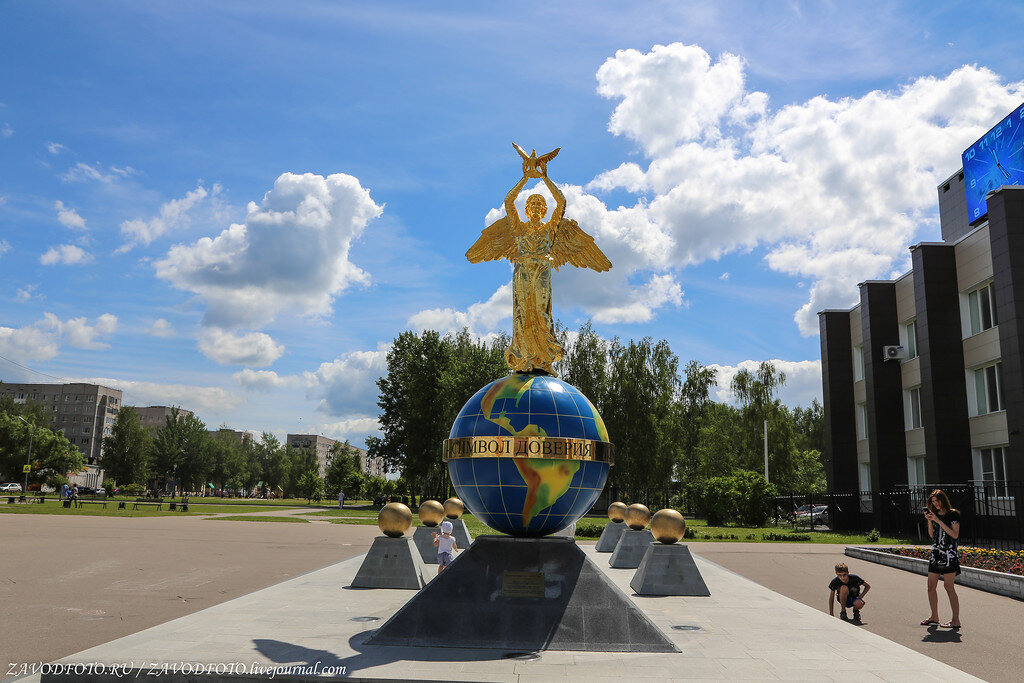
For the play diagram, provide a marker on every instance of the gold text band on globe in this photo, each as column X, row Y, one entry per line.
column 557, row 448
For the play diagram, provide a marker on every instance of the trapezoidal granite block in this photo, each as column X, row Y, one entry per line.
column 392, row 563
column 523, row 594
column 630, row 549
column 610, row 536
column 668, row 570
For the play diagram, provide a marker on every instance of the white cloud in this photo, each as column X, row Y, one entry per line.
column 173, row 215
column 227, row 348
column 79, row 333
column 55, row 147
column 189, row 397
column 82, row 172
column 354, row 430
column 347, row 385
column 723, row 276
column 6, row 131
column 266, row 380
column 42, row 339
column 803, row 380
column 26, row 293
column 68, row 254
column 28, row 343
column 479, row 318
column 161, row 328
column 290, row 254
column 68, row 217
column 5, row 247
column 834, row 191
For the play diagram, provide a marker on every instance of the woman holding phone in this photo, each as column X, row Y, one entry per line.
column 944, row 529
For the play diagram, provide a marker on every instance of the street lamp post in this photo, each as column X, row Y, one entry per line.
column 28, row 461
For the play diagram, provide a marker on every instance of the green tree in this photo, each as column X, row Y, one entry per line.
column 344, row 463
column 181, row 452
column 692, row 415
column 758, row 403
column 585, row 365
column 229, row 467
column 809, row 427
column 52, row 454
column 809, row 476
column 414, row 417
column 310, row 486
column 126, row 450
column 642, row 386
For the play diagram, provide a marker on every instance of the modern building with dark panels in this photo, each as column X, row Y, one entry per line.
column 945, row 407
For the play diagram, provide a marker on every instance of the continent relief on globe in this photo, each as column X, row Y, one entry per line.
column 546, row 482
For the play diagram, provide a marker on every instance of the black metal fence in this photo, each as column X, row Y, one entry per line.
column 991, row 513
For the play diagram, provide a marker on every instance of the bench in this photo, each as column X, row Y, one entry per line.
column 80, row 503
column 158, row 502
column 181, row 505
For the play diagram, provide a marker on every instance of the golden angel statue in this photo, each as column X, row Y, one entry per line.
column 535, row 247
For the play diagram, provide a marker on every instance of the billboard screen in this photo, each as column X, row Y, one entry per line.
column 996, row 159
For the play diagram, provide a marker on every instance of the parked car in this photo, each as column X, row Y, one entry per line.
column 10, row 488
column 817, row 515
column 90, row 491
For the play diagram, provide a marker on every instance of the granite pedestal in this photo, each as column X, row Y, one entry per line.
column 610, row 536
column 392, row 563
column 630, row 549
column 523, row 594
column 423, row 537
column 668, row 570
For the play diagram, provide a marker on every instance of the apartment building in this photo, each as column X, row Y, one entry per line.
column 153, row 418
column 321, row 445
column 84, row 412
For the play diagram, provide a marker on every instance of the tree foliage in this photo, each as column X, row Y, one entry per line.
column 126, row 450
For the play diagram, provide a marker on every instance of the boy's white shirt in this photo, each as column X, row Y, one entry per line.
column 445, row 542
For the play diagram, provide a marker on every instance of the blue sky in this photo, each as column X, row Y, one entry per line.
column 236, row 206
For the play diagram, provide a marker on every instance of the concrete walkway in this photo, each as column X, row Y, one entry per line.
column 743, row 631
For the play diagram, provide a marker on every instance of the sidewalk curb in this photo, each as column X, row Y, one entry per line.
column 1010, row 585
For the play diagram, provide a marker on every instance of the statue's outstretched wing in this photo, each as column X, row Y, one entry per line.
column 575, row 247
column 495, row 242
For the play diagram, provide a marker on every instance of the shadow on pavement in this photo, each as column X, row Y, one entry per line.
column 369, row 656
column 935, row 635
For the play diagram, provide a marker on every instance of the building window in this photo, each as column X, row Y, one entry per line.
column 909, row 338
column 858, row 363
column 981, row 308
column 990, row 470
column 864, row 476
column 988, row 389
column 862, row 421
column 915, row 471
column 912, row 408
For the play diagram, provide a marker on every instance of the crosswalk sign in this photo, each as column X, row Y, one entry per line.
column 26, row 469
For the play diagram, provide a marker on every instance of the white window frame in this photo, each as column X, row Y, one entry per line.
column 912, row 408
column 979, row 393
column 991, row 493
column 916, row 471
column 864, row 476
column 858, row 363
column 978, row 308
column 861, row 418
column 908, row 338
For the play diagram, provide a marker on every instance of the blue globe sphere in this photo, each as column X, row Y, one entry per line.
column 528, row 455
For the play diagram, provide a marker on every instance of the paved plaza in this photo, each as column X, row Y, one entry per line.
column 745, row 630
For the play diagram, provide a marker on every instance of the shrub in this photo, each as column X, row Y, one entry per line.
column 744, row 497
column 109, row 487
column 714, row 498
column 873, row 536
column 589, row 530
column 133, row 489
column 785, row 537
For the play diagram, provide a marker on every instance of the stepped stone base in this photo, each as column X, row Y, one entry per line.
column 630, row 549
column 523, row 594
column 610, row 536
column 392, row 563
column 668, row 570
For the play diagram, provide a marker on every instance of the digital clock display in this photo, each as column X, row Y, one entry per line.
column 996, row 159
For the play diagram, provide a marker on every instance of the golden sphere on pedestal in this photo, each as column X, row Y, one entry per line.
column 668, row 526
column 637, row 516
column 431, row 513
column 394, row 519
column 617, row 511
column 453, row 508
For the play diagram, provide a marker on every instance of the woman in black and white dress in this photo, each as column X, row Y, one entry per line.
column 944, row 562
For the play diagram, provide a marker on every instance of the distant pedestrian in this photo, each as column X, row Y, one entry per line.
column 446, row 546
column 74, row 492
column 63, row 491
column 848, row 590
column 341, row 499
column 944, row 562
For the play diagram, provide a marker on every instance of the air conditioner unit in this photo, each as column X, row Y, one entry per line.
column 894, row 353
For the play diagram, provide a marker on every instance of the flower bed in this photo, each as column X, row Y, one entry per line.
column 1006, row 561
